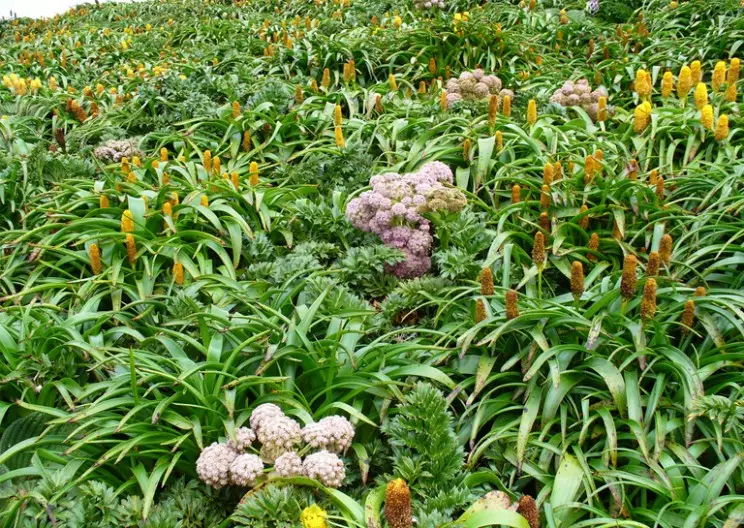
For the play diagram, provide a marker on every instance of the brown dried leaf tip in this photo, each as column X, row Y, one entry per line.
column 628, row 281
column 577, row 279
column 648, row 303
column 527, row 508
column 398, row 504
column 486, row 281
column 512, row 311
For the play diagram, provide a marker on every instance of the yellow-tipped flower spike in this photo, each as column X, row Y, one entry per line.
column 688, row 316
column 166, row 179
column 652, row 177
column 236, row 109
column 684, row 83
column 95, row 259
column 398, row 504
column 131, row 249
column 589, row 169
column 602, row 109
column 733, row 72
column 103, row 202
column 557, row 171
column 204, row 201
column 665, row 249
column 545, row 222
column 422, row 88
column 548, row 173
column 577, row 279
column 131, row 178
column 253, row 172
column 696, row 73
column 706, row 117
column 545, row 197
column 443, row 101
column 719, row 76
column 207, row 161
column 532, row 112
column 235, row 180
column 326, row 81
column 216, row 165
column 654, row 262
column 163, row 154
column 510, row 302
column 299, row 96
column 667, row 84
column 515, row 193
column 701, row 96
column 642, row 116
column 538, row 251
column 506, row 108
column 642, row 86
column 660, row 188
column 247, row 146
column 593, row 246
column 136, row 161
column 178, row 273
column 648, row 302
column 499, row 141
column 480, row 311
column 466, row 149
column 700, row 291
column 629, row 277
column 486, row 281
column 127, row 222
column 155, row 164
column 337, row 117
column 339, row 137
column 432, row 66
column 731, row 94
column 493, row 108
column 392, row 82
column 722, row 128
column 584, row 220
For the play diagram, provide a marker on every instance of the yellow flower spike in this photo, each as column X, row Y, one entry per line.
column 684, row 84
column 337, row 117
column 443, row 101
column 642, row 85
column 103, row 202
column 339, row 136
column 589, row 169
column 731, row 94
column 516, row 192
column 299, row 96
column 314, row 517
column 432, row 66
column 493, row 108
column 701, row 96
column 706, row 117
column 216, row 165
column 719, row 76
column 136, row 161
column 397, row 22
column 207, row 161
column 166, row 179
column 499, row 141
column 247, row 145
column 178, row 273
column 131, row 249
column 563, row 17
column 95, row 259
column 127, row 221
column 236, row 109
column 253, row 171
column 722, row 128
column 204, row 201
column 326, row 81
column 392, row 82
column 642, row 117
column 733, row 72
column 125, row 166
column 398, row 495
column 131, row 178
column 235, row 180
column 506, row 107
column 602, row 109
column 532, row 112
column 163, row 154
column 422, row 88
column 667, row 84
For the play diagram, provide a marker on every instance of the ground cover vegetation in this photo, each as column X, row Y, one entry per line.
column 371, row 263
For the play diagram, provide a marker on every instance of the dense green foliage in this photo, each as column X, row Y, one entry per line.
column 148, row 306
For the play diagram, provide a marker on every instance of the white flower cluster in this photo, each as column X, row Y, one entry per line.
column 475, row 85
column 579, row 94
column 226, row 464
column 114, row 149
column 429, row 4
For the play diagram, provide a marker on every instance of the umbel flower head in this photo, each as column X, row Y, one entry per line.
column 580, row 93
column 325, row 467
column 244, row 437
column 213, row 464
column 288, row 464
column 245, row 470
column 398, row 504
column 475, row 85
column 277, row 436
column 333, row 433
column 263, row 414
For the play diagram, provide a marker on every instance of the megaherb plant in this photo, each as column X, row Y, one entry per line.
column 182, row 249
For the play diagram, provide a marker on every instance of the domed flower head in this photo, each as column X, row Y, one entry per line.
column 263, row 413
column 244, row 437
column 245, row 470
column 325, row 467
column 333, row 433
column 288, row 464
column 213, row 465
column 277, row 436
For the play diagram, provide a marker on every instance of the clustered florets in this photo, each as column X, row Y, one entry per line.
column 326, row 467
column 222, row 464
column 393, row 211
column 475, row 85
column 429, row 4
column 579, row 94
column 113, row 150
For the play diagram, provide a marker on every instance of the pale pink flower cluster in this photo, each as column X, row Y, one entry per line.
column 223, row 464
column 579, row 94
column 475, row 85
column 393, row 211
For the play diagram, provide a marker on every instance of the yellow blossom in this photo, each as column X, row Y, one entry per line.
column 701, row 96
column 722, row 128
